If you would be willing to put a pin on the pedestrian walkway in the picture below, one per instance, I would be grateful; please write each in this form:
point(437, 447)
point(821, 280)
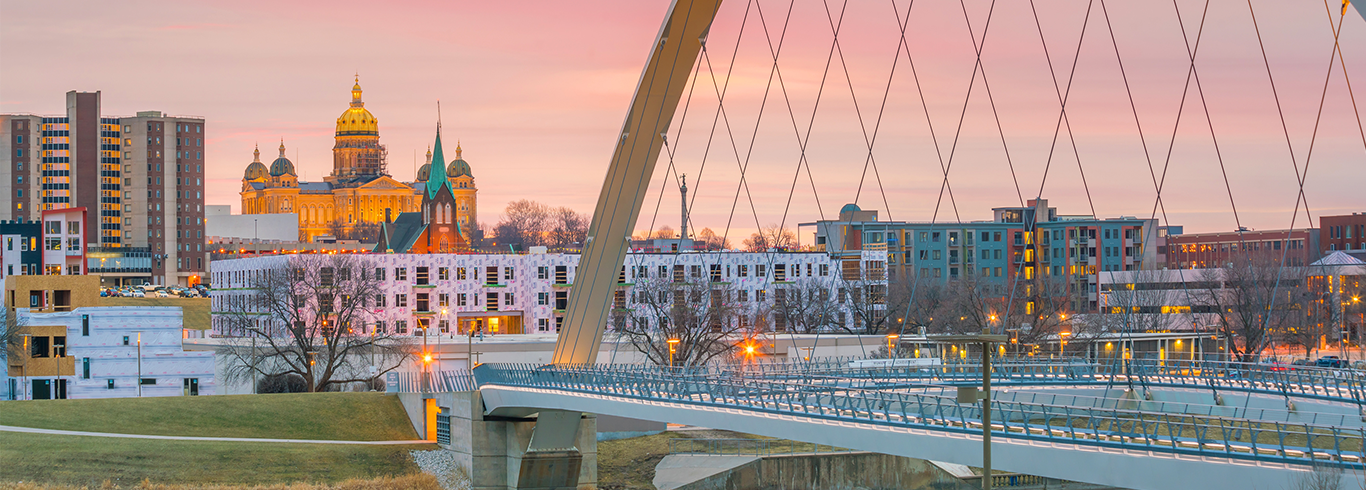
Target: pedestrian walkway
point(30, 430)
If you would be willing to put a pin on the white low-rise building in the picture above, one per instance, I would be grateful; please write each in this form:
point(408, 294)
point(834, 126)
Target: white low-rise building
point(528, 293)
point(106, 352)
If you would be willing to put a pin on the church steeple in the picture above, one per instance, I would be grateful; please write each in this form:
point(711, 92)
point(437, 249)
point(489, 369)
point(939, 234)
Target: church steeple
point(437, 177)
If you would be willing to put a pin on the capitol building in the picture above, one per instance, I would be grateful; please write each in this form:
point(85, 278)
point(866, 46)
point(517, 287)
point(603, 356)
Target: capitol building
point(359, 197)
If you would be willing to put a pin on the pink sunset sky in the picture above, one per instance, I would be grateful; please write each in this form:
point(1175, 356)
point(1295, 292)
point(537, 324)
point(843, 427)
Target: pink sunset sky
point(537, 91)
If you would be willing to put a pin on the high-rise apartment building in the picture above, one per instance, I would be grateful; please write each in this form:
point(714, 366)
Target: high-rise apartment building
point(1032, 243)
point(140, 178)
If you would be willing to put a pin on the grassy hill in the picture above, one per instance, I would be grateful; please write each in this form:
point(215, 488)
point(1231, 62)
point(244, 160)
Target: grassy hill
point(333, 416)
point(81, 460)
point(196, 309)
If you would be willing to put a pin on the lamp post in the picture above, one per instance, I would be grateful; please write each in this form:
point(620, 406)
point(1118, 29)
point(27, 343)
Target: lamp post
point(967, 394)
point(23, 371)
point(891, 337)
point(673, 347)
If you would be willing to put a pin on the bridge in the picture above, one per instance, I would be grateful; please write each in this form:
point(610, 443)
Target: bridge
point(1135, 424)
point(1135, 441)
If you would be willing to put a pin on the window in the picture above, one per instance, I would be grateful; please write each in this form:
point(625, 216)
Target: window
point(542, 299)
point(825, 270)
point(379, 300)
point(761, 270)
point(110, 384)
point(491, 275)
point(85, 325)
point(490, 301)
point(460, 274)
point(443, 300)
point(401, 300)
point(460, 299)
point(420, 278)
point(148, 381)
point(422, 303)
point(85, 368)
point(400, 273)
point(508, 274)
point(509, 299)
point(542, 273)
point(401, 326)
point(379, 274)
point(743, 270)
point(743, 295)
point(443, 273)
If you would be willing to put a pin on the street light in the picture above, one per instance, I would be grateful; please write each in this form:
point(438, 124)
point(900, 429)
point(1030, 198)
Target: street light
point(891, 337)
point(673, 347)
point(972, 395)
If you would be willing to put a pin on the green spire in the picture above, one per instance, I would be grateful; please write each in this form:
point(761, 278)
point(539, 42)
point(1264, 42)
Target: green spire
point(437, 175)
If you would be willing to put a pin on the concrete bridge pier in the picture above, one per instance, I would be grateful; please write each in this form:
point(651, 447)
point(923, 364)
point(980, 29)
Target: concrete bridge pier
point(494, 450)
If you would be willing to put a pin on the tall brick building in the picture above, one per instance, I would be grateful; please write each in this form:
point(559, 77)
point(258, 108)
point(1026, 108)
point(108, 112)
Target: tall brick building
point(141, 178)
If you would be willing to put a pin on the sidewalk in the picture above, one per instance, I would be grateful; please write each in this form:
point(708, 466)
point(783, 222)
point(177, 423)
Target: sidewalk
point(7, 428)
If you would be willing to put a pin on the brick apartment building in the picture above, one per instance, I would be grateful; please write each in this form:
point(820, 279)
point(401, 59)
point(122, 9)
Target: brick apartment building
point(1345, 232)
point(1207, 250)
point(141, 179)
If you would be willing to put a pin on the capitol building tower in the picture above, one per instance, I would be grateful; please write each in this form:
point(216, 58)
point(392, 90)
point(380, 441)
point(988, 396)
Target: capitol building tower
point(359, 197)
point(357, 155)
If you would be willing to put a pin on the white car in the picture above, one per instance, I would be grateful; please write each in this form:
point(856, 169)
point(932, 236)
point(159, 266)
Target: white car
point(162, 294)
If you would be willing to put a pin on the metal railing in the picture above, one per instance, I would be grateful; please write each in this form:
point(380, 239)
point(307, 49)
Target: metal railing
point(1332, 384)
point(1240, 439)
point(440, 382)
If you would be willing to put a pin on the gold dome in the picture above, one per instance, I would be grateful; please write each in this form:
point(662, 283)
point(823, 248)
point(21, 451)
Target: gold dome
point(357, 121)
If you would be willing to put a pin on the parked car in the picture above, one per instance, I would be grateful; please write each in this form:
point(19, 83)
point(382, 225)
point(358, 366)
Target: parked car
point(1331, 362)
point(161, 293)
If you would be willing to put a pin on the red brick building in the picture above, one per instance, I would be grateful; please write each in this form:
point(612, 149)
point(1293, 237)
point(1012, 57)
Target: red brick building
point(1206, 250)
point(1345, 232)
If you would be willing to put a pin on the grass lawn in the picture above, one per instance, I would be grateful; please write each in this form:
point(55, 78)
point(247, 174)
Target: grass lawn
point(75, 460)
point(196, 309)
point(333, 416)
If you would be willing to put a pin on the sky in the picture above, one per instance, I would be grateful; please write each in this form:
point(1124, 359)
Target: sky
point(536, 93)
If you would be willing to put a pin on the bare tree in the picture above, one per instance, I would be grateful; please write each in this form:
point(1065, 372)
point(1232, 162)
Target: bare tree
point(1144, 301)
point(709, 240)
point(808, 307)
point(770, 237)
point(1248, 297)
point(700, 315)
point(665, 232)
point(569, 229)
point(11, 334)
point(1309, 322)
point(525, 223)
point(311, 316)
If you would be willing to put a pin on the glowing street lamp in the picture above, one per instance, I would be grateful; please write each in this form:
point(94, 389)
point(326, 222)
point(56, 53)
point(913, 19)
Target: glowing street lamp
point(891, 337)
point(673, 347)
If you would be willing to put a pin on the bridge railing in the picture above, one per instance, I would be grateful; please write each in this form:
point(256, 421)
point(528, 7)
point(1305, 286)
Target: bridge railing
point(1303, 381)
point(1296, 443)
